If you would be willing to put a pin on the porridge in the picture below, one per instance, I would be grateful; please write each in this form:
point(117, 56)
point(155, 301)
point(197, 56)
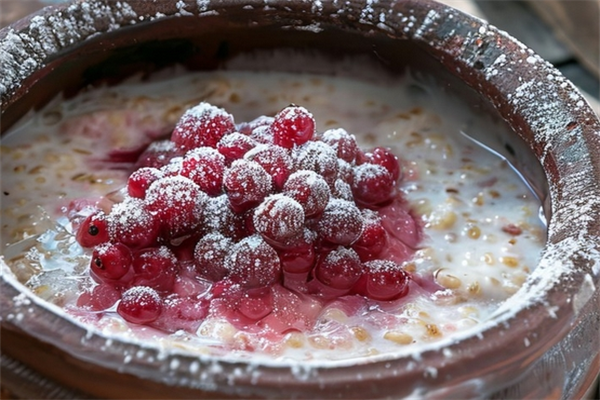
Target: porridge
point(292, 216)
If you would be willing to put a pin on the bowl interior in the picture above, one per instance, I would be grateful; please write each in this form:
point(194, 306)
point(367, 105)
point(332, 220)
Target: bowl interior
point(290, 37)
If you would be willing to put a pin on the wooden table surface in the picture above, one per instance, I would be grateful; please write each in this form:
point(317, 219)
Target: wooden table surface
point(565, 33)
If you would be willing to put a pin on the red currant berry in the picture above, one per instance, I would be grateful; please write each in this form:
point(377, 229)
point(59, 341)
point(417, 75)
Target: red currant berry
point(132, 224)
point(93, 230)
point(373, 239)
point(262, 135)
point(342, 142)
point(178, 204)
point(173, 168)
point(182, 313)
point(339, 269)
point(298, 255)
point(385, 280)
point(101, 297)
point(204, 166)
point(341, 222)
point(385, 158)
point(248, 127)
point(111, 261)
point(317, 157)
point(221, 218)
point(342, 190)
point(373, 184)
point(202, 125)
point(279, 218)
point(234, 145)
point(141, 179)
point(158, 154)
point(209, 256)
point(156, 268)
point(252, 263)
point(140, 305)
point(292, 126)
point(275, 160)
point(309, 189)
point(246, 184)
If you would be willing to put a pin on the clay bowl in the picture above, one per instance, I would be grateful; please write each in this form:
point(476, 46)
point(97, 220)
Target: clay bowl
point(543, 342)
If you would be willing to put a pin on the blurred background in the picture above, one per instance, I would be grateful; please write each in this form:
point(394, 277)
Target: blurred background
point(563, 32)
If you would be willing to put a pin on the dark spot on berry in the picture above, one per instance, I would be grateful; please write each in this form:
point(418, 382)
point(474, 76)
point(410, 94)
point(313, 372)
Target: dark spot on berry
point(93, 230)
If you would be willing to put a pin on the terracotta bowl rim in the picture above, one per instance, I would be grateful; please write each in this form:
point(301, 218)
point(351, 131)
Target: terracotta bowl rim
point(544, 108)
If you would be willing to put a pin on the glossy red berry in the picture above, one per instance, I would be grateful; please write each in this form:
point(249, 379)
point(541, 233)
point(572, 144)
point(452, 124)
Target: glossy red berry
point(341, 222)
point(298, 255)
point(202, 125)
point(111, 261)
point(309, 189)
point(158, 154)
point(342, 142)
point(246, 184)
point(339, 269)
point(93, 230)
point(101, 297)
point(318, 157)
point(234, 145)
point(275, 160)
point(256, 304)
point(131, 223)
point(292, 126)
point(155, 267)
point(373, 238)
point(140, 305)
point(279, 218)
point(385, 280)
point(372, 185)
point(140, 179)
point(209, 256)
point(385, 158)
point(204, 166)
point(252, 263)
point(178, 203)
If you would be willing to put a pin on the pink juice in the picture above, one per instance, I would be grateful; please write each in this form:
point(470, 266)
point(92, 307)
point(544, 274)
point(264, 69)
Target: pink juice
point(460, 227)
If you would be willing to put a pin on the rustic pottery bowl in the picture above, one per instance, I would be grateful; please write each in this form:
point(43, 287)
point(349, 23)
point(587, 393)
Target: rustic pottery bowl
point(543, 341)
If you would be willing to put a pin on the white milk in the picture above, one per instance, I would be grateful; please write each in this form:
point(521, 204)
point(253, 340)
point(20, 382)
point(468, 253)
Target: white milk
point(464, 194)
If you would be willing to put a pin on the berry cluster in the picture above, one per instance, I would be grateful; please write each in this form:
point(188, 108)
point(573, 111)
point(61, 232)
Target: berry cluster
point(249, 220)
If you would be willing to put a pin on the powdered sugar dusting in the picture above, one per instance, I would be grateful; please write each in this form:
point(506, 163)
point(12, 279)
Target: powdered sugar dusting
point(144, 293)
point(317, 157)
point(279, 217)
point(341, 216)
point(550, 124)
point(309, 189)
point(25, 51)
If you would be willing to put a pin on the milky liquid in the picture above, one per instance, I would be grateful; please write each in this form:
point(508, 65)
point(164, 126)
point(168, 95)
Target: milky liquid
point(482, 232)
